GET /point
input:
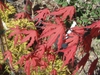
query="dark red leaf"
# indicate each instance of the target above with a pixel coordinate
(82, 63)
(22, 15)
(92, 67)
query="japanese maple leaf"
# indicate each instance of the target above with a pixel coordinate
(95, 29)
(82, 63)
(72, 39)
(22, 15)
(42, 14)
(16, 33)
(54, 32)
(69, 54)
(8, 55)
(27, 67)
(30, 34)
(92, 67)
(2, 6)
(64, 12)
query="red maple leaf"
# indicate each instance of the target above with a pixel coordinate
(95, 29)
(72, 39)
(30, 34)
(27, 67)
(64, 12)
(2, 6)
(16, 33)
(92, 67)
(54, 32)
(82, 62)
(22, 15)
(69, 54)
(42, 14)
(8, 55)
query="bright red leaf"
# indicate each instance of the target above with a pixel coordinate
(27, 67)
(54, 32)
(16, 33)
(64, 12)
(30, 35)
(69, 54)
(42, 14)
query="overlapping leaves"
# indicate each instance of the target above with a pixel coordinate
(54, 33)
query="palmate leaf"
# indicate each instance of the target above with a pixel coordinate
(95, 29)
(30, 34)
(42, 14)
(69, 54)
(92, 67)
(17, 33)
(82, 63)
(64, 12)
(27, 67)
(54, 32)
